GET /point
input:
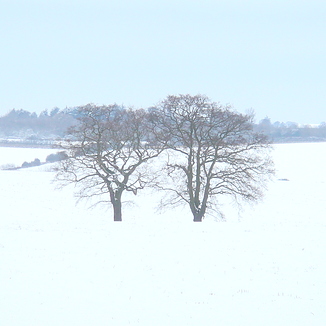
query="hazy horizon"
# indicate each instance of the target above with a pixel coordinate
(269, 57)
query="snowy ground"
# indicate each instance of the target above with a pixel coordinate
(15, 157)
(65, 265)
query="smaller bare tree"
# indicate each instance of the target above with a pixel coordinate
(213, 151)
(106, 150)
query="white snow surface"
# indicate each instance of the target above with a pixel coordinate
(66, 265)
(17, 156)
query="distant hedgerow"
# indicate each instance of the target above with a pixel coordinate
(59, 156)
(36, 162)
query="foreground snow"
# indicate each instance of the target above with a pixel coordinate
(62, 264)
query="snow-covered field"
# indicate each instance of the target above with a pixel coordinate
(66, 265)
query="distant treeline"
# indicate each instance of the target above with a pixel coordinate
(26, 125)
(53, 124)
(281, 132)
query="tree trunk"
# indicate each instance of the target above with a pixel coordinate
(197, 212)
(198, 216)
(116, 203)
(117, 217)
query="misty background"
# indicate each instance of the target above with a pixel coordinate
(268, 56)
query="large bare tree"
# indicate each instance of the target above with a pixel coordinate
(106, 151)
(213, 151)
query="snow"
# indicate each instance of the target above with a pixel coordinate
(17, 156)
(62, 264)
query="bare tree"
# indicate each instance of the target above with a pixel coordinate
(213, 151)
(107, 149)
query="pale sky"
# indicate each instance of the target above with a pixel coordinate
(267, 55)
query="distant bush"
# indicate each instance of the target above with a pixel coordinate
(8, 166)
(36, 162)
(56, 157)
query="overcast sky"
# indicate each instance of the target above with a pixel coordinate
(265, 55)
